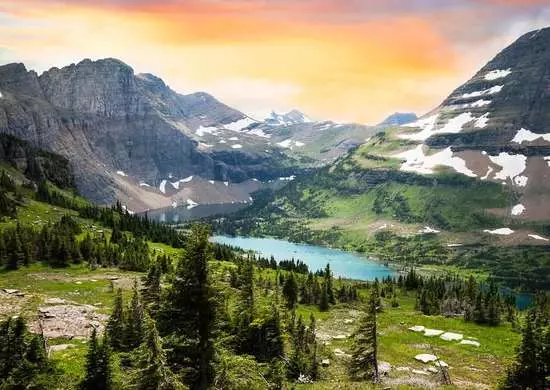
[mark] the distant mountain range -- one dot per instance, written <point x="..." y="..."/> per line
<point x="127" y="135"/>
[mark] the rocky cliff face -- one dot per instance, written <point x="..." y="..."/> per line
<point x="105" y="119"/>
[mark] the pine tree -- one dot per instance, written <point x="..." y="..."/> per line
<point x="98" y="365"/>
<point x="290" y="291"/>
<point x="364" y="361"/>
<point x="324" y="298"/>
<point x="134" y="326"/>
<point x="531" y="370"/>
<point x="17" y="256"/>
<point x="493" y="311"/>
<point x="188" y="313"/>
<point x="153" y="372"/>
<point x="3" y="252"/>
<point x="115" y="327"/>
<point x="328" y="284"/>
<point x="151" y="289"/>
<point x="479" y="309"/>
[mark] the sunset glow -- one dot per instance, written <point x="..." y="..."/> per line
<point x="346" y="60"/>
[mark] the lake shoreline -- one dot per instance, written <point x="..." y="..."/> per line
<point x="345" y="264"/>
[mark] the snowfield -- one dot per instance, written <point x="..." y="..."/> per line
<point x="518" y="209"/>
<point x="191" y="204"/>
<point x="513" y="165"/>
<point x="500" y="232"/>
<point x="240" y="124"/>
<point x="537" y="237"/>
<point x="491" y="91"/>
<point x="285" y="144"/>
<point x="201" y="131"/>
<point x="417" y="161"/>
<point x="524" y="135"/>
<point x="497" y="74"/>
<point x="482" y="121"/>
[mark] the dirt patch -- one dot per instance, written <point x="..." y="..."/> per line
<point x="68" y="321"/>
<point x="13" y="304"/>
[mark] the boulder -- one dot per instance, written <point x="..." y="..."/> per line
<point x="432" y="332"/>
<point x="450" y="336"/>
<point x="470" y="342"/>
<point x="426" y="357"/>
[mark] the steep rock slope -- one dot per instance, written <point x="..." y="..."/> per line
<point x="106" y="119"/>
<point x="126" y="134"/>
<point x="495" y="127"/>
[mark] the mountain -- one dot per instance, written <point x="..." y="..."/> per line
<point x="398" y="119"/>
<point x="130" y="137"/>
<point x="495" y="127"/>
<point x="292" y="117"/>
<point x="466" y="185"/>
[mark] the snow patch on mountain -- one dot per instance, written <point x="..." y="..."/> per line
<point x="524" y="135"/>
<point x="121" y="173"/>
<point x="489" y="91"/>
<point x="259" y="133"/>
<point x="162" y="186"/>
<point x="240" y="124"/>
<point x="480" y="103"/>
<point x="201" y="131"/>
<point x="417" y="161"/>
<point x="500" y="231"/>
<point x="427" y="125"/>
<point x="455" y="124"/>
<point x="537" y="237"/>
<point x="236" y="146"/>
<point x="176" y="184"/>
<point x="285" y="144"/>
<point x="191" y="204"/>
<point x="518" y="209"/>
<point x="482" y="121"/>
<point x="513" y="165"/>
<point x="497" y="74"/>
<point x="292" y="117"/>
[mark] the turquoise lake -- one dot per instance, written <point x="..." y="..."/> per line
<point x="345" y="264"/>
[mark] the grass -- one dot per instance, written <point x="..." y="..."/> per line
<point x="470" y="366"/>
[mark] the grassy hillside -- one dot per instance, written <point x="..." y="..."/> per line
<point x="364" y="203"/>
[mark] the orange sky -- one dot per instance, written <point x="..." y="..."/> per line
<point x="347" y="60"/>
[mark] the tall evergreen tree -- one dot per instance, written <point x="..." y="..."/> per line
<point x="329" y="284"/>
<point x="290" y="291"/>
<point x="115" y="325"/>
<point x="188" y="313"/>
<point x="153" y="372"/>
<point x="151" y="289"/>
<point x="98" y="365"/>
<point x="364" y="361"/>
<point x="134" y="326"/>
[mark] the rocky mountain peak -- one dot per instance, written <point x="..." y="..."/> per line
<point x="15" y="78"/>
<point x="398" y="119"/>
<point x="104" y="87"/>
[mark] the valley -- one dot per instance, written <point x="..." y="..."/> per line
<point x="158" y="240"/>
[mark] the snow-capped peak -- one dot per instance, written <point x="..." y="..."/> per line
<point x="292" y="117"/>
